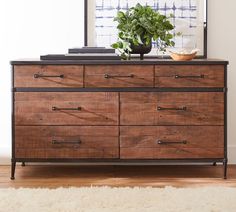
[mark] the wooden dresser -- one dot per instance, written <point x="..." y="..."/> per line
<point x="119" y="112"/>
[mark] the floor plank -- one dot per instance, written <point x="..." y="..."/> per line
<point x="53" y="176"/>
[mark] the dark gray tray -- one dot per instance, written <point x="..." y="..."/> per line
<point x="91" y="50"/>
<point x="80" y="57"/>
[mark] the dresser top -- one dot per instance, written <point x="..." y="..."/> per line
<point x="119" y="62"/>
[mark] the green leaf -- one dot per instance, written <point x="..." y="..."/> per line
<point x="141" y="25"/>
<point x="115" y="45"/>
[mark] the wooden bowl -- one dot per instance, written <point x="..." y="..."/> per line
<point x="182" y="57"/>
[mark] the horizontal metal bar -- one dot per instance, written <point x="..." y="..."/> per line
<point x="55" y="142"/>
<point x="57" y="108"/>
<point x="190" y="76"/>
<point x="151" y="89"/>
<point x="170" y="142"/>
<point x="108" y="76"/>
<point x="177" y="108"/>
<point x="48" y="76"/>
<point x="117" y="160"/>
<point x="153" y="61"/>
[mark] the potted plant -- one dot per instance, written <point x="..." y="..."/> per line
<point x="138" y="27"/>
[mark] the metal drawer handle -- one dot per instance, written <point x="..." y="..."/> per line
<point x="181" y="76"/>
<point x="160" y="142"/>
<point x="165" y="108"/>
<point x="48" y="76"/>
<point x="55" y="142"/>
<point x="57" y="108"/>
<point x="107" y="76"/>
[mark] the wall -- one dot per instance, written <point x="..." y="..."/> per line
<point x="29" y="28"/>
<point x="222" y="44"/>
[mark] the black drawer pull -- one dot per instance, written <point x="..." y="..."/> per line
<point x="55" y="142"/>
<point x="57" y="108"/>
<point x="48" y="76"/>
<point x="178" y="108"/>
<point x="181" y="76"/>
<point x="107" y="76"/>
<point x="170" y="142"/>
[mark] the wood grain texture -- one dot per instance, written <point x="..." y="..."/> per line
<point x="142" y="142"/>
<point x="35" y="108"/>
<point x="96" y="142"/>
<point x="24" y="76"/>
<point x="171" y="152"/>
<point x="201" y="108"/>
<point x="101" y="114"/>
<point x="213" y="76"/>
<point x="143" y="76"/>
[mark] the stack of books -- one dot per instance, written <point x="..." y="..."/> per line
<point x="84" y="53"/>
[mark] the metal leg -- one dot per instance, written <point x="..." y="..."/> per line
<point x="214" y="164"/>
<point x="13" y="168"/>
<point x="225" y="162"/>
<point x="23" y="164"/>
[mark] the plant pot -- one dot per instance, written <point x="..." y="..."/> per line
<point x="141" y="49"/>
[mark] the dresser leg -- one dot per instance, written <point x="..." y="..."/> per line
<point x="225" y="162"/>
<point x="13" y="168"/>
<point x="23" y="164"/>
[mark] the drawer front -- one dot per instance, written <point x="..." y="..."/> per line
<point x="119" y="76"/>
<point x="189" y="76"/>
<point x="66" y="142"/>
<point x="48" y="76"/>
<point x="171" y="142"/>
<point x="172" y="108"/>
<point x="65" y="108"/>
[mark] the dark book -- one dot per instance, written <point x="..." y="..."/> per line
<point x="83" y="56"/>
<point x="95" y="50"/>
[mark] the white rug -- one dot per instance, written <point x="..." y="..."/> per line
<point x="105" y="199"/>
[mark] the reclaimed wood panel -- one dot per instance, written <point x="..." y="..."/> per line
<point x="37" y="142"/>
<point x="119" y="76"/>
<point x="35" y="108"/>
<point x="171" y="153"/>
<point x="195" y="136"/>
<point x="189" y="76"/>
<point x="72" y="76"/>
<point x="142" y="142"/>
<point x="202" y="108"/>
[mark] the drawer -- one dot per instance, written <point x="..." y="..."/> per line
<point x="66" y="142"/>
<point x="172" y="108"/>
<point x="119" y="76"/>
<point x="66" y="108"/>
<point x="48" y="76"/>
<point x="171" y="142"/>
<point x="189" y="76"/>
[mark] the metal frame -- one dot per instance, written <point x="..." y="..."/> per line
<point x="118" y="161"/>
<point x="13" y="160"/>
<point x="205" y="31"/>
<point x="153" y="61"/>
<point x="225" y="161"/>
<point x="204" y="41"/>
<point x="119" y="89"/>
<point x="85" y="23"/>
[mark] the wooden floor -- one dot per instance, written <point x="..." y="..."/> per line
<point x="51" y="176"/>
